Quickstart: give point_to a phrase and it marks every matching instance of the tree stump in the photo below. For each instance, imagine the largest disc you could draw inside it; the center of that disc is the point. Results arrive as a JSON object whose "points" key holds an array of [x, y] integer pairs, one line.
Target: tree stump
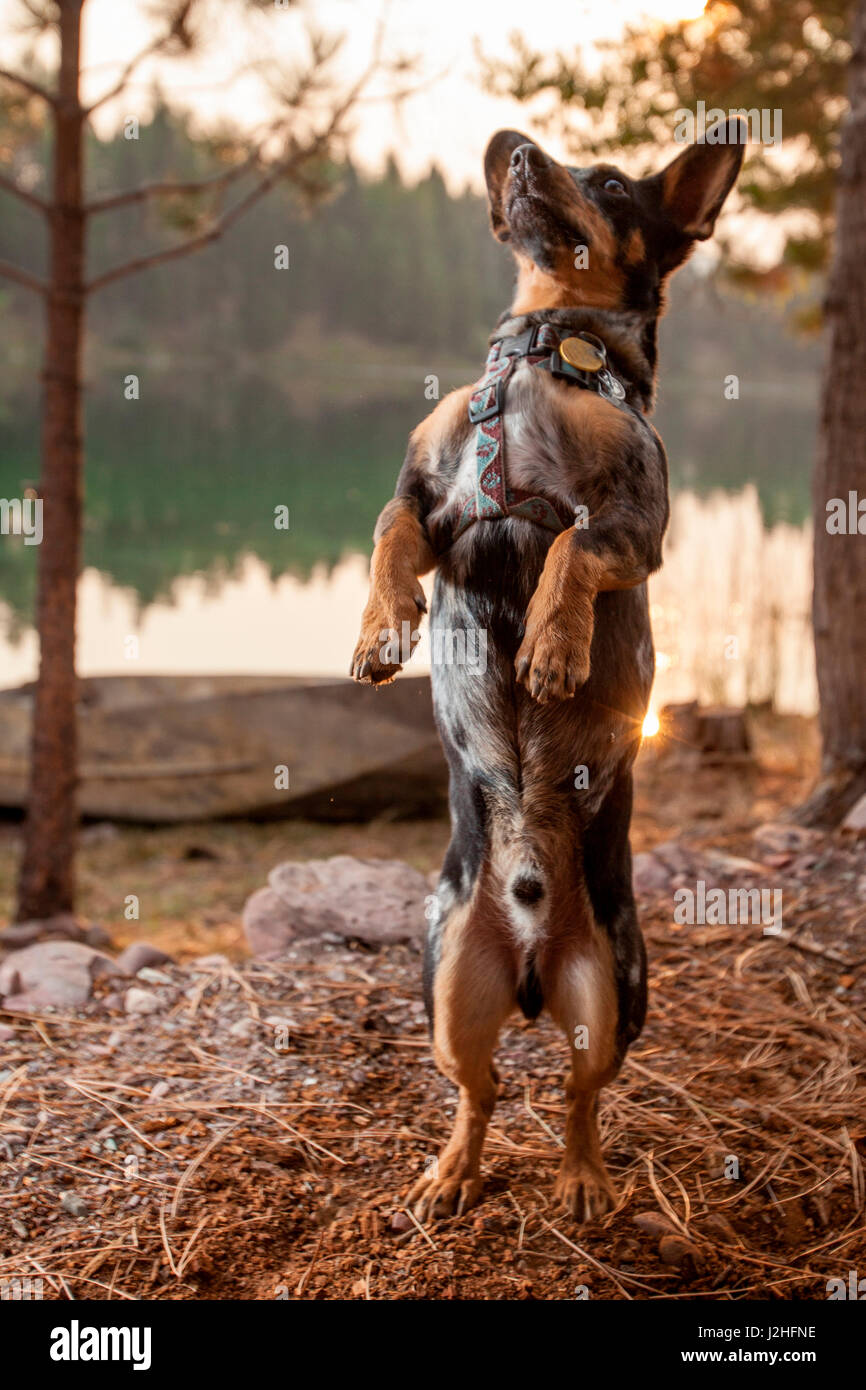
{"points": [[709, 734]]}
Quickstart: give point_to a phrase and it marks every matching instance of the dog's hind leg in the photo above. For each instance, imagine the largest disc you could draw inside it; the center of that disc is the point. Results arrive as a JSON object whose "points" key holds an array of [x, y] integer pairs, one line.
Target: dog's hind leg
{"points": [[580, 991], [473, 991], [608, 870]]}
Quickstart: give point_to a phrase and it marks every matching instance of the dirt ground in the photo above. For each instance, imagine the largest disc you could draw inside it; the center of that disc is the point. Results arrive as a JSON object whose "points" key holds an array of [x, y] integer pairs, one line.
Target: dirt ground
{"points": [[253, 1137]]}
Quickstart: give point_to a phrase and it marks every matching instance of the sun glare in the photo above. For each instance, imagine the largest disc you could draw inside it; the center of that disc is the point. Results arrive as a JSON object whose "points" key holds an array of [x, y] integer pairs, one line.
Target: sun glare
{"points": [[650, 725]]}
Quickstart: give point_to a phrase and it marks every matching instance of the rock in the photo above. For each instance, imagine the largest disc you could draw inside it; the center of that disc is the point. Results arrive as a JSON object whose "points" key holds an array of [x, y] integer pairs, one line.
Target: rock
{"points": [[855, 821], [693, 732], [649, 875], [720, 1228], [52, 974], [100, 833], [655, 1223], [153, 977], [401, 1222], [677, 1251], [62, 927], [75, 1205], [6, 1033], [266, 923], [211, 962], [141, 1001], [376, 900], [675, 857], [97, 937], [776, 837], [732, 865], [140, 954]]}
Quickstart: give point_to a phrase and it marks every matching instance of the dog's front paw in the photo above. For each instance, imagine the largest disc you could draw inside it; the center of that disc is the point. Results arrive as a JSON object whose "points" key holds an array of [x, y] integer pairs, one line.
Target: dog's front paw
{"points": [[447, 1194], [389, 636], [553, 659]]}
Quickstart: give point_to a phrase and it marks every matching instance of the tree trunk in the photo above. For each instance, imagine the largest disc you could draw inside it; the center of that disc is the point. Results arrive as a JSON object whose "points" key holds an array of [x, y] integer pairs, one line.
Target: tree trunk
{"points": [[47, 883], [839, 601]]}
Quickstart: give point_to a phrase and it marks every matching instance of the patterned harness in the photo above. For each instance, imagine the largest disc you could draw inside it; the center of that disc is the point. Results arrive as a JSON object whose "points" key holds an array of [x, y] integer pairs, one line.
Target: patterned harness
{"points": [[541, 345]]}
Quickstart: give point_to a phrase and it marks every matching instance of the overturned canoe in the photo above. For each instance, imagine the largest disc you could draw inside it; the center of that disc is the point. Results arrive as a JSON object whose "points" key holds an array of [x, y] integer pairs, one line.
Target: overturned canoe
{"points": [[161, 749]]}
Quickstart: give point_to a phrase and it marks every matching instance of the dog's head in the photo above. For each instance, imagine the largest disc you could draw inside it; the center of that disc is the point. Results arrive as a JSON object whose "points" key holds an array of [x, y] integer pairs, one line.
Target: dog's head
{"points": [[596, 237]]}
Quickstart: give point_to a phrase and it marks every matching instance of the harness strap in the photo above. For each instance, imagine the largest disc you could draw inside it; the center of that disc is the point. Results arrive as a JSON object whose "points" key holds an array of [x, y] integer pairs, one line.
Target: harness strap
{"points": [[493, 499]]}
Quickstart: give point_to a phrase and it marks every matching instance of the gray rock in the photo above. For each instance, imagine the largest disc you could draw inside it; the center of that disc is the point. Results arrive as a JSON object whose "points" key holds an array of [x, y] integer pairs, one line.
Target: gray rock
{"points": [[777, 837], [376, 900], [51, 974], [855, 821], [75, 1205], [97, 937], [649, 875], [140, 954], [101, 833], [153, 977], [62, 927], [141, 1001], [675, 857]]}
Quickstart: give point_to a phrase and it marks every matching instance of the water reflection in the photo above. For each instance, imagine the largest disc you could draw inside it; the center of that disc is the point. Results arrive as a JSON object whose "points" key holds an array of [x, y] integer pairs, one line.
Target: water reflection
{"points": [[730, 615]]}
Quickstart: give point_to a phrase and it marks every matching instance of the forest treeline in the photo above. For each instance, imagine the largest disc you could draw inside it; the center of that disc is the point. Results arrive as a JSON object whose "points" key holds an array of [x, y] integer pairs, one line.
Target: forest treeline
{"points": [[395, 264], [410, 281], [377, 258]]}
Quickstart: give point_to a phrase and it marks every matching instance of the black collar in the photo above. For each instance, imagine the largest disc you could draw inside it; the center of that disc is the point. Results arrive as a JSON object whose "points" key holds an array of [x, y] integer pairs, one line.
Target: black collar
{"points": [[573, 355], [623, 333]]}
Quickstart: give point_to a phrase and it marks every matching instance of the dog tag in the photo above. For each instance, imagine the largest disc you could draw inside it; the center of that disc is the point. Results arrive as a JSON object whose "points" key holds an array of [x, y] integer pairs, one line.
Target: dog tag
{"points": [[581, 354], [611, 386]]}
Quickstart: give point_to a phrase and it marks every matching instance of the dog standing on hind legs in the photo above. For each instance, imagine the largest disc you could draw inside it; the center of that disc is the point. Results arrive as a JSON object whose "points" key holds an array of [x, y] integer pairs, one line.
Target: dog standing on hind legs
{"points": [[540, 496]]}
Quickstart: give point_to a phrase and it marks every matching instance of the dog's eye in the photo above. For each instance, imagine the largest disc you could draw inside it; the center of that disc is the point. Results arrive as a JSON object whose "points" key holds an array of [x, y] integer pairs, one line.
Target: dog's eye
{"points": [[615, 186]]}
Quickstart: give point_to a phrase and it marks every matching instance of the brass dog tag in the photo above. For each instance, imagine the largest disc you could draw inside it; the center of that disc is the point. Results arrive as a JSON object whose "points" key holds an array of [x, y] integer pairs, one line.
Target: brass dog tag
{"points": [[581, 354]]}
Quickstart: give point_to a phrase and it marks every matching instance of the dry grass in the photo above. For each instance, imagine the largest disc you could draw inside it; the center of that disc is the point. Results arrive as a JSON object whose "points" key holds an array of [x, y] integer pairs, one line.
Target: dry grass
{"points": [[212, 1164], [207, 1155]]}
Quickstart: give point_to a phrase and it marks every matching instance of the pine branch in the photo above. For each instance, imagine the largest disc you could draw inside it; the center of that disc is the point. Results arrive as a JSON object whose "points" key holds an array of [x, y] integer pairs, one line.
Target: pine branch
{"points": [[33, 88], [165, 188], [31, 199], [202, 239], [177, 31], [281, 169], [23, 277]]}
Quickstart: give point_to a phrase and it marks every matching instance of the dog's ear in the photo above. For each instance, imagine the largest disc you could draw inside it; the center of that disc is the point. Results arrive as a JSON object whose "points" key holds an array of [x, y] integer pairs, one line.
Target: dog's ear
{"points": [[497, 157], [695, 185]]}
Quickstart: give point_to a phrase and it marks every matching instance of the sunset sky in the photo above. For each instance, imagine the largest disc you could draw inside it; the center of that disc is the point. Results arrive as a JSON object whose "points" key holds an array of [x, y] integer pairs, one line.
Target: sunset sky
{"points": [[448, 119]]}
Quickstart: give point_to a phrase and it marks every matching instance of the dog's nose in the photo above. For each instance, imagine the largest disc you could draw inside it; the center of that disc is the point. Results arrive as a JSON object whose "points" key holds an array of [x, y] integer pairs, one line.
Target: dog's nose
{"points": [[527, 156]]}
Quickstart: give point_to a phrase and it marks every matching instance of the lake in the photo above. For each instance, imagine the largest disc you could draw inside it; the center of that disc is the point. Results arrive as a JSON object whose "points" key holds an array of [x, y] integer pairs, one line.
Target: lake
{"points": [[182, 554]]}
